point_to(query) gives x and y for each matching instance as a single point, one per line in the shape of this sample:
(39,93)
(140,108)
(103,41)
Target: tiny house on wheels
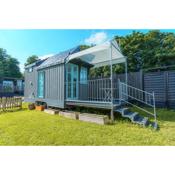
(63,80)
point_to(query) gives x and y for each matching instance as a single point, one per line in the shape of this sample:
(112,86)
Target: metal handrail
(127,91)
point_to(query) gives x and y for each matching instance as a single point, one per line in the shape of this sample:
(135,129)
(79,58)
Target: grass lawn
(38,128)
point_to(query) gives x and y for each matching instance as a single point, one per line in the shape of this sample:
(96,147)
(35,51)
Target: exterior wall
(30,87)
(53,88)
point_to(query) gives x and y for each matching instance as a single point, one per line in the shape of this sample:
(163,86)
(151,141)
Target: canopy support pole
(110,56)
(126,77)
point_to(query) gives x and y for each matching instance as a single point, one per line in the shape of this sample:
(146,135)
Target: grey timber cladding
(54,86)
(171,89)
(30,88)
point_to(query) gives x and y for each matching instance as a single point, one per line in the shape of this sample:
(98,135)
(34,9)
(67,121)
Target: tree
(31,59)
(12,68)
(143,51)
(3,57)
(149,50)
(9,66)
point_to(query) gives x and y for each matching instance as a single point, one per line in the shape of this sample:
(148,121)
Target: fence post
(20,103)
(3,103)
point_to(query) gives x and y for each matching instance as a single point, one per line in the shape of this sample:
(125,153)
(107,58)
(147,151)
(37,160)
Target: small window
(30,69)
(83,75)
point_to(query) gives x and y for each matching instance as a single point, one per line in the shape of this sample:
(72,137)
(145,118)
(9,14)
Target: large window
(41,84)
(83,75)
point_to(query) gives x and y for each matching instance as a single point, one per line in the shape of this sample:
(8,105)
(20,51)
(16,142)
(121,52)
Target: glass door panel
(71,81)
(41,84)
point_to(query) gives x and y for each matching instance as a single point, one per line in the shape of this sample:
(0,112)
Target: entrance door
(71,81)
(41,84)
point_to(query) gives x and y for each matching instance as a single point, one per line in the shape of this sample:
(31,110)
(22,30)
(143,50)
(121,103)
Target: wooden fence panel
(163,84)
(10,103)
(171,89)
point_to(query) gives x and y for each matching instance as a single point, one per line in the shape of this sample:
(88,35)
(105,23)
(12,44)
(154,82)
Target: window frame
(83,75)
(43,95)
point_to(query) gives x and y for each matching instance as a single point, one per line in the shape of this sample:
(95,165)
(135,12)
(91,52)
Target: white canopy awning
(100,55)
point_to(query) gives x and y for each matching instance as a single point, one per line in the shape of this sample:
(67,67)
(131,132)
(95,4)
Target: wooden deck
(92,104)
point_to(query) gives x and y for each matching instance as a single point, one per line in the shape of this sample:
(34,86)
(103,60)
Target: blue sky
(23,43)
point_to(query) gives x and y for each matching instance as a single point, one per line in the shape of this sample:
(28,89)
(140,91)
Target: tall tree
(31,59)
(3,57)
(144,51)
(149,50)
(9,66)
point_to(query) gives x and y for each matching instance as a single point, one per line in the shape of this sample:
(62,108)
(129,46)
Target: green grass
(38,128)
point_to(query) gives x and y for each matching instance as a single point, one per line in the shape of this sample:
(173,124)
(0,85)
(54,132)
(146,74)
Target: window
(83,75)
(41,84)
(71,81)
(30,69)
(8,86)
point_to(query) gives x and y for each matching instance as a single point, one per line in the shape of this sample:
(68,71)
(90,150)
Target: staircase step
(154,125)
(141,120)
(135,117)
(125,111)
(131,115)
(122,111)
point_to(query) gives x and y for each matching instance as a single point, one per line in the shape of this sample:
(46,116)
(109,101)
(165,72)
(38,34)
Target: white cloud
(96,38)
(45,56)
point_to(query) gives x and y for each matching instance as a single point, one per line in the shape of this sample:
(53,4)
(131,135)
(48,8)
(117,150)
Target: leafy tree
(9,66)
(31,59)
(12,68)
(143,51)
(153,49)
(3,56)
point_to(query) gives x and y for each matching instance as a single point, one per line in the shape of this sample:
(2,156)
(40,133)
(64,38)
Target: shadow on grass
(13,110)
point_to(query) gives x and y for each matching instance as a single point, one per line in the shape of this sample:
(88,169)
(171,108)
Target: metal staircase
(140,99)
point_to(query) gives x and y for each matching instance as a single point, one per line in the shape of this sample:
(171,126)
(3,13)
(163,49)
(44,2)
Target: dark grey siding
(30,87)
(156,82)
(171,88)
(163,84)
(54,86)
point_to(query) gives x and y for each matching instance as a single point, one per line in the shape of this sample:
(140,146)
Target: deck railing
(141,99)
(92,90)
